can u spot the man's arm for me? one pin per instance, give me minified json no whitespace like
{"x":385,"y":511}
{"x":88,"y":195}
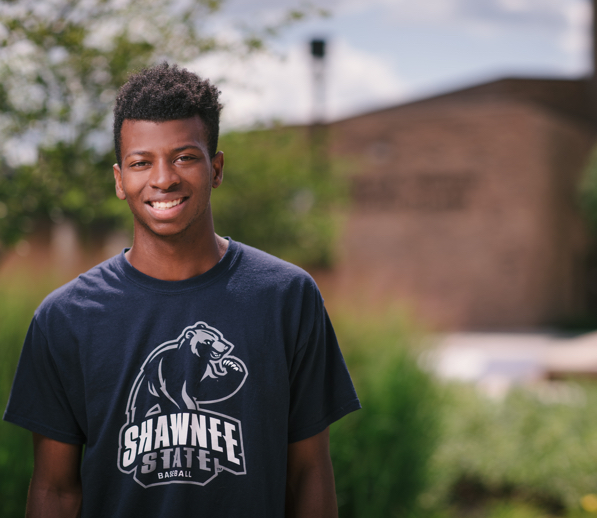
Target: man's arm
{"x":55,"y":490}
{"x":310,"y":489}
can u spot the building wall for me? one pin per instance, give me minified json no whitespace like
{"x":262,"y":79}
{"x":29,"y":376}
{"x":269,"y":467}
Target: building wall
{"x":59,"y":250}
{"x":465,"y":212}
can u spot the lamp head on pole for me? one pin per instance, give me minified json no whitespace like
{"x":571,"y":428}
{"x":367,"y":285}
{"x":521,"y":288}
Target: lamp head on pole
{"x":318,"y":48}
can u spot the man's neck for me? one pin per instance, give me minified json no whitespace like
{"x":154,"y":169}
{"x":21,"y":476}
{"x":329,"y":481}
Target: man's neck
{"x":177,"y":259}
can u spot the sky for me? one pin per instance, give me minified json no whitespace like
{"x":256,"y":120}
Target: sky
{"x":386,"y":52}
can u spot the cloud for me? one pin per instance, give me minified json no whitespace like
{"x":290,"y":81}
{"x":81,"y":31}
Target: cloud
{"x":566,"y":23}
{"x":360,"y":80}
{"x":560,"y":16}
{"x":576,"y":38}
{"x":537,"y":13}
{"x":545,"y":15}
{"x":268,"y":87}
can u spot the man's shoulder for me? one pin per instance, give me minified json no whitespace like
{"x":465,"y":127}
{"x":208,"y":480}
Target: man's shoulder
{"x":263,"y":267}
{"x":83,"y":289}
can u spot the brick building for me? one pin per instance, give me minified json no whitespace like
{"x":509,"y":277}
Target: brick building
{"x":464,"y":205}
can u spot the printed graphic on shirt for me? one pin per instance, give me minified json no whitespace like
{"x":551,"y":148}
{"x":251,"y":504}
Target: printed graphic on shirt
{"x":169,"y":436}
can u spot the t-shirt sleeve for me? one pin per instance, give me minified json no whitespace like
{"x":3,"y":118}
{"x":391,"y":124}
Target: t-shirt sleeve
{"x":38,"y":399}
{"x":321,"y":390}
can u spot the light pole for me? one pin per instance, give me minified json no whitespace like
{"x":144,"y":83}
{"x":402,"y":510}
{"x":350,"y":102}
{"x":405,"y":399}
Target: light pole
{"x":319,"y":137}
{"x":318,"y":63}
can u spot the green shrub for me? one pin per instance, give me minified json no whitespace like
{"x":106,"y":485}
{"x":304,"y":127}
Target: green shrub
{"x":514,"y":510}
{"x":381,"y":453}
{"x":18,"y":301}
{"x":537,"y":445}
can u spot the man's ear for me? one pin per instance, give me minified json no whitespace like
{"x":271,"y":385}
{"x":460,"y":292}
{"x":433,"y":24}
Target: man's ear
{"x":217,"y":169}
{"x":118,"y":182}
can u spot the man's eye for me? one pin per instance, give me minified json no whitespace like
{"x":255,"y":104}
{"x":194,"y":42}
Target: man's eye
{"x":185,"y":158}
{"x":138,"y":164}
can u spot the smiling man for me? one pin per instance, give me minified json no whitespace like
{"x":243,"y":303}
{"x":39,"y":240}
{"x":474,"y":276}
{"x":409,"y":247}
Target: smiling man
{"x":200,"y":374}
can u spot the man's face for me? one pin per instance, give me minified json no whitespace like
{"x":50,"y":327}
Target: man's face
{"x":166,"y":176}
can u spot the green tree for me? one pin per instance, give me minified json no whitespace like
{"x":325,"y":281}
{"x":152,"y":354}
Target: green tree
{"x":274,"y":199}
{"x":588,"y":192}
{"x":61,"y":64}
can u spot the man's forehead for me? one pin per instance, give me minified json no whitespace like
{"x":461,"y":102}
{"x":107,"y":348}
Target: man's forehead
{"x":139,"y":134}
{"x":194,"y":121}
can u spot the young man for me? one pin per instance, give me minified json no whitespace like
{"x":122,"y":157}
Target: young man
{"x":200,"y":374}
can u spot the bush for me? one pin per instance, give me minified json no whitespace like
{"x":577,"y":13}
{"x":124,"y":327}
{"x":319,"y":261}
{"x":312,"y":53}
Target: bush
{"x":18,"y":301}
{"x":537,"y":445}
{"x":381,"y":453}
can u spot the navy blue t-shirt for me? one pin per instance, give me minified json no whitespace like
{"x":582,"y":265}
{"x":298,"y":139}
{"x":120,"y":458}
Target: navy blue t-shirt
{"x":185,"y":393}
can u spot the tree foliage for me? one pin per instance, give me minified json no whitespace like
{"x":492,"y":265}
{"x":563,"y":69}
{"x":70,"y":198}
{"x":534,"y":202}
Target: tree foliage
{"x":273,"y":197}
{"x":61,"y":63}
{"x":588,"y":192}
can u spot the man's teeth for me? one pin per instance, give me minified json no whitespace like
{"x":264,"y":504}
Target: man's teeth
{"x":163,"y":205}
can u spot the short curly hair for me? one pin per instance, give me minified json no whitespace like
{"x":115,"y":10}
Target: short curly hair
{"x":164,"y":93}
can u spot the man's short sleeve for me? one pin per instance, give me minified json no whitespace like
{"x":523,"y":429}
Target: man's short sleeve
{"x":38,"y":400}
{"x":321,"y":390}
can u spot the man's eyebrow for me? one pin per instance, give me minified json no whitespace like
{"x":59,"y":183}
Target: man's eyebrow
{"x":142,"y":153}
{"x":187,"y":146}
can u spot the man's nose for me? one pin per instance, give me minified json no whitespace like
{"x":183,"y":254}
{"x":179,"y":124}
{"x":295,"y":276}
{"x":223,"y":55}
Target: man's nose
{"x":164,"y":175}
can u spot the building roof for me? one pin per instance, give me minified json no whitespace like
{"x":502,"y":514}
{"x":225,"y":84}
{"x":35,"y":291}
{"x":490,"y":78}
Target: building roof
{"x":571,"y":97}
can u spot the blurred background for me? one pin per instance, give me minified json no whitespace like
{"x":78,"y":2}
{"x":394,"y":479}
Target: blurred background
{"x":432,"y":164}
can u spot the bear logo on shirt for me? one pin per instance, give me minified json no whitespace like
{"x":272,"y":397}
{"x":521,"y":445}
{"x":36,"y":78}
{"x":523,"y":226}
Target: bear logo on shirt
{"x":195,"y":369}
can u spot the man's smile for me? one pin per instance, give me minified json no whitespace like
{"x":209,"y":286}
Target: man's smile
{"x":164,"y":205}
